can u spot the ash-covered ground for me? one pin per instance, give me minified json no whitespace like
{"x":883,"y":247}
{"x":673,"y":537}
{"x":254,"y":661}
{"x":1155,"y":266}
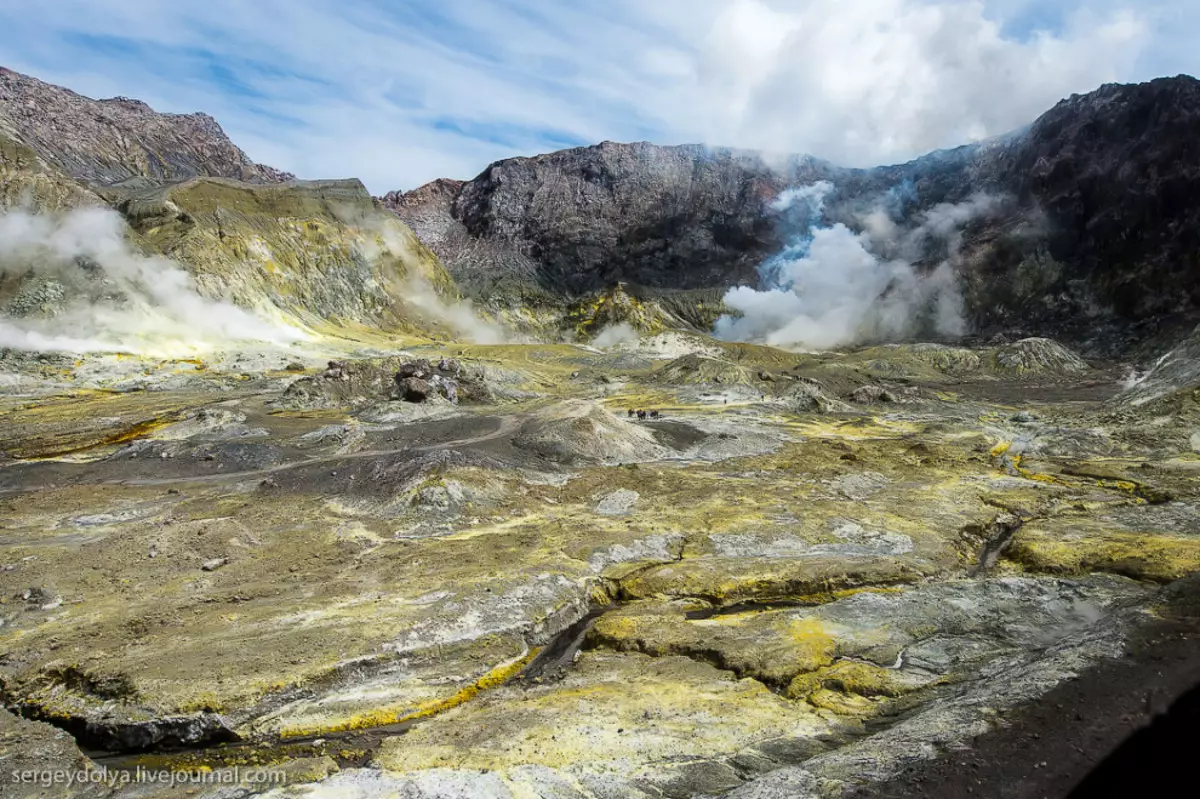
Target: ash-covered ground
{"x":478,"y":571}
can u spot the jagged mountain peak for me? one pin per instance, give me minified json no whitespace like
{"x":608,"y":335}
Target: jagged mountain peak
{"x":102,"y":142}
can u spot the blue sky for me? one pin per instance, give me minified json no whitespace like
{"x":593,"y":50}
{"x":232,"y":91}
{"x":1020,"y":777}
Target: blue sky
{"x":398,"y":93}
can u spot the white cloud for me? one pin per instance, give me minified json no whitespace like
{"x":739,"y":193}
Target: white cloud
{"x":878,"y":80}
{"x":399,"y":93}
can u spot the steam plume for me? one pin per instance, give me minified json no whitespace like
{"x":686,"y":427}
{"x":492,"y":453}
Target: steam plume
{"x":79,"y":287}
{"x":458,"y":315}
{"x":611,"y":336}
{"x":832,"y":286}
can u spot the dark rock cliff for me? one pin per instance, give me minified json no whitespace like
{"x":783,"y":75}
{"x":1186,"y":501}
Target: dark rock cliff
{"x":1101,"y":231}
{"x":686,"y":217}
{"x":1117,"y":173}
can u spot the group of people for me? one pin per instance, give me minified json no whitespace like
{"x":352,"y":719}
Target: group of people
{"x":643,"y":414}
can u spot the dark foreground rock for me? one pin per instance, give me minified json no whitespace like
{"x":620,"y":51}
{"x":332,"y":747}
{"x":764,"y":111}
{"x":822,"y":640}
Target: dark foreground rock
{"x":1120,"y":728}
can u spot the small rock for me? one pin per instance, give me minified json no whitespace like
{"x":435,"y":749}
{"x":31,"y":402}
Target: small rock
{"x":337,"y":370}
{"x":1024,"y":417}
{"x":294,"y":366}
{"x":214,"y":564}
{"x":1195,"y":441}
{"x":872,"y":395}
{"x":617,"y":503}
{"x":418,"y":369}
{"x":40,"y":597}
{"x":446,"y":387}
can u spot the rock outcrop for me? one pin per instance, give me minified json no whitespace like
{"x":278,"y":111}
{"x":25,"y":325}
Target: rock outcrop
{"x":577,"y":220}
{"x":317,"y":251}
{"x":28,"y":181}
{"x":581,"y":432}
{"x":1175,"y":374}
{"x":109,"y":141}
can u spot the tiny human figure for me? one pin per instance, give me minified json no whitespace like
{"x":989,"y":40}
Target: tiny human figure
{"x":653,"y":414}
{"x":632,"y":413}
{"x":641,"y":414}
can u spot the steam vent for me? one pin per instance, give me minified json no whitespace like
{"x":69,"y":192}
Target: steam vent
{"x":619,"y":472}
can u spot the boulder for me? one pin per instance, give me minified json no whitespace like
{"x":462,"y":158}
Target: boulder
{"x":418,"y":369}
{"x":336,"y":370}
{"x":413,"y":389}
{"x":809,"y":396}
{"x":418,"y":381}
{"x":445,"y":387}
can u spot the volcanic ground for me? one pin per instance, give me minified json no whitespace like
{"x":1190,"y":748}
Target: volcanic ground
{"x":797,"y":575}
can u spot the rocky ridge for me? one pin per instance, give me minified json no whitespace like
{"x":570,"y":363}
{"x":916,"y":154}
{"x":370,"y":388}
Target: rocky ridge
{"x":109,"y":141}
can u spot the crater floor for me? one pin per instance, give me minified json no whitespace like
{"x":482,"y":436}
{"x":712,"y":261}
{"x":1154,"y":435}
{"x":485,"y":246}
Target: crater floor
{"x":798,"y":575}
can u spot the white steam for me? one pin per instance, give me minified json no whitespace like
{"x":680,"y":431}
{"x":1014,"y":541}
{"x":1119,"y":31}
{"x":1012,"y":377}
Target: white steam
{"x":78,"y":286}
{"x":458,"y":315}
{"x":832,"y":286}
{"x":611,"y":336}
